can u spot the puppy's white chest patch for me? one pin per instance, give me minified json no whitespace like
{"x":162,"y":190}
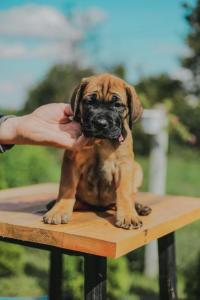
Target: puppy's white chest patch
{"x":103,"y":171}
{"x":110,"y":171}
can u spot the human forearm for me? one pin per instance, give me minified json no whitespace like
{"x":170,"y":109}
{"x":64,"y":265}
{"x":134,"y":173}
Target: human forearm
{"x":21,"y":130}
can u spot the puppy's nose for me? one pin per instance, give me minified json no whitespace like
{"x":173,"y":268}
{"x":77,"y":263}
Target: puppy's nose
{"x":101,"y":124}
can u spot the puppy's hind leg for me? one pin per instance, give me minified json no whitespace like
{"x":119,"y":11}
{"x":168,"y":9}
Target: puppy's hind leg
{"x":141,"y":209}
{"x":51,"y":204}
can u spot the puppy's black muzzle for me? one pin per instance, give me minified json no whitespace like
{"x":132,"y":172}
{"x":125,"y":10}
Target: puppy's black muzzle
{"x":102,"y":122}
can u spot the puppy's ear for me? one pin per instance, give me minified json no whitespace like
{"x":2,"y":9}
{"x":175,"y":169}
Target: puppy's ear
{"x":134,"y":105}
{"x":76,"y":98}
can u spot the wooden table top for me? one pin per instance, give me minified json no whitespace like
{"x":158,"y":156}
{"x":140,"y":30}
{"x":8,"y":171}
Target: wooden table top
{"x":21,"y":211}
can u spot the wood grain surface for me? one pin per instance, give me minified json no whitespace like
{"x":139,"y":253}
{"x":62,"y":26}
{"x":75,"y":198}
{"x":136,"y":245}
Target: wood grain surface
{"x":21,"y":211}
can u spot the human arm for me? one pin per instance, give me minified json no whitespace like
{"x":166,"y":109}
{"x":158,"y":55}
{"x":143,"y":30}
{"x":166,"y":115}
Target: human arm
{"x":48,"y":125}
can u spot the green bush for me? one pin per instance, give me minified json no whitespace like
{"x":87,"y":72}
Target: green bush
{"x":192,"y":276}
{"x":119,"y":279}
{"x":11,"y":259}
{"x":73,"y":274}
{"x":136,"y":260}
{"x":24,"y":165}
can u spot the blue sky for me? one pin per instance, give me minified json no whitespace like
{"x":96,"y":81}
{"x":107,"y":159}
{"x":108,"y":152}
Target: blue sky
{"x":146,"y":35}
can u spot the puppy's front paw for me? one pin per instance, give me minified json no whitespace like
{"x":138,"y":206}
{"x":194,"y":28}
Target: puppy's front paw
{"x":128,"y":221}
{"x":60,"y":213}
{"x":56,"y":217}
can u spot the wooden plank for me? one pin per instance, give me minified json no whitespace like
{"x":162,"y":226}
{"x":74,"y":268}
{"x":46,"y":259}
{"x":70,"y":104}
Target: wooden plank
{"x":36,"y":192}
{"x":21,"y":213}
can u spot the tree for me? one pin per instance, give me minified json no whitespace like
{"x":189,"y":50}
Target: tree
{"x":118,"y":70}
{"x":171,"y":93}
{"x":160,"y":87}
{"x":59,"y":83}
{"x":56,"y":86}
{"x":192,"y":61}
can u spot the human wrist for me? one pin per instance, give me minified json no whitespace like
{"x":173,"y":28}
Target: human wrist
{"x":8,"y":130}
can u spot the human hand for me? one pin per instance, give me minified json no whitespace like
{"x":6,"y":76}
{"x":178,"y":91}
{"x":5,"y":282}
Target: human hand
{"x":48,"y":125}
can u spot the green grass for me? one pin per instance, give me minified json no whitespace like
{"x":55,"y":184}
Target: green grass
{"x":183,"y":173}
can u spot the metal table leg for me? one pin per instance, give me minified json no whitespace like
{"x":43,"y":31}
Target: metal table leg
{"x":167,"y":267}
{"x":55,"y":275}
{"x":95,"y":269}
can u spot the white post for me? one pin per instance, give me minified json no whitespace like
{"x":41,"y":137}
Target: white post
{"x":154,"y":122}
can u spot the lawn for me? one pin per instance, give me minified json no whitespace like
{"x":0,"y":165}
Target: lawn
{"x":182,"y":178}
{"x":183,"y":172}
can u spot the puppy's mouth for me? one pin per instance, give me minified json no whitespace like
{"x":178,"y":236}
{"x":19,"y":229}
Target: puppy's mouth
{"x":112,"y":134}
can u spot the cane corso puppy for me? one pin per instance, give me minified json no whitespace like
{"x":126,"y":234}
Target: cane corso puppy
{"x":103,"y":173}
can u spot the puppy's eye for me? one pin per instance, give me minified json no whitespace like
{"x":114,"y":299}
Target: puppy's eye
{"x":93,"y":97}
{"x":118,"y":104}
{"x":115,"y":98}
{"x":90,"y":99}
{"x":120,"y":107}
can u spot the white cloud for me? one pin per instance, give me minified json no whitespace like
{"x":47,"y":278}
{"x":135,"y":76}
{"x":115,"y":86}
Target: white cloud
{"x":8,"y":51}
{"x":6,"y":86}
{"x":171,"y":48}
{"x":53,"y":35}
{"x":37,"y":21}
{"x":13,"y":91}
{"x":55,"y":51}
{"x":40,"y":32}
{"x":93,"y":16}
{"x":56,"y":37}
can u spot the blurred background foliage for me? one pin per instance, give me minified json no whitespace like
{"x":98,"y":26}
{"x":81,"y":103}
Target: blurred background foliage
{"x":24,"y":271}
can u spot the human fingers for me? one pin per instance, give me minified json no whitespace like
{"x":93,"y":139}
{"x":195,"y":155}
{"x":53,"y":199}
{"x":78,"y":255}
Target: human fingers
{"x":68,"y":110}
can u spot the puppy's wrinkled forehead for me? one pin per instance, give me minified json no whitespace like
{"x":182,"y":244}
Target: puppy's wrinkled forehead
{"x":105,"y":86}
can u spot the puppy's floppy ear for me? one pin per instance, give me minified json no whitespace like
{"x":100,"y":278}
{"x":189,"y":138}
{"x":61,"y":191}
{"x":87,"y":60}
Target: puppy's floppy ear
{"x":76,"y":97}
{"x":134,"y":105}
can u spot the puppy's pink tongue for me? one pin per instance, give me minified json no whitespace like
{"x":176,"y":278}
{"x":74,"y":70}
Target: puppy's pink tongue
{"x":121,"y":138}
